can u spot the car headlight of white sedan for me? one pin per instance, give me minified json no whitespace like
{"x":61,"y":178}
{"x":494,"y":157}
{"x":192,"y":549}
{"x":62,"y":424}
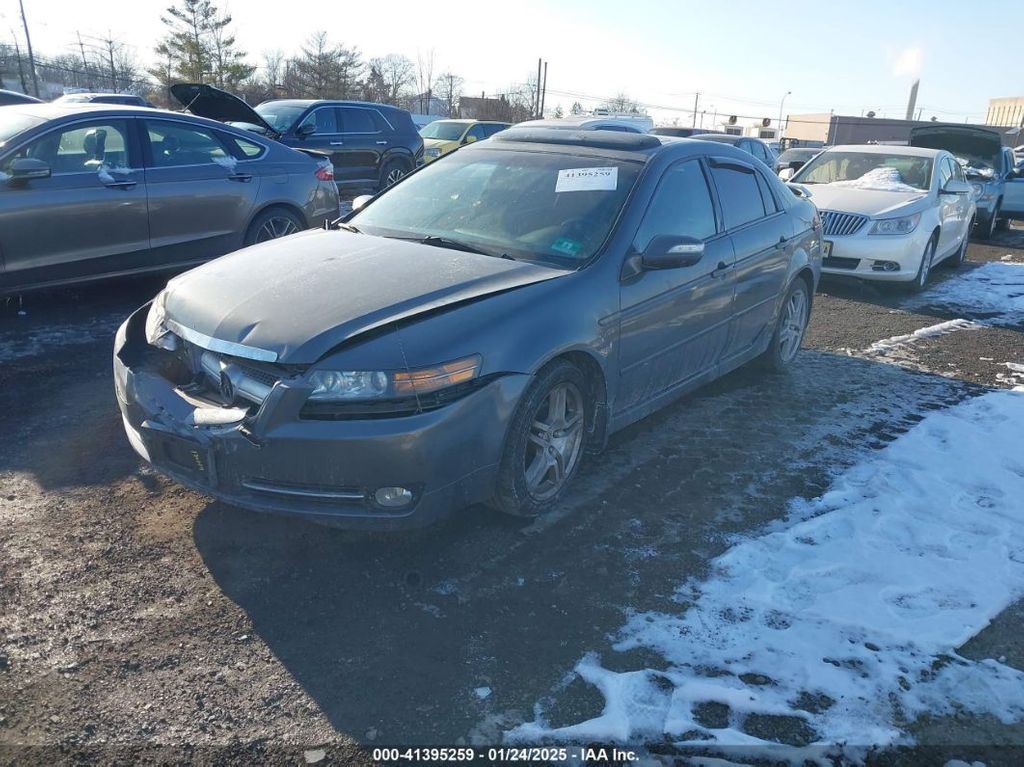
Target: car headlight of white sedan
{"x":432,"y":151}
{"x":900,"y":225}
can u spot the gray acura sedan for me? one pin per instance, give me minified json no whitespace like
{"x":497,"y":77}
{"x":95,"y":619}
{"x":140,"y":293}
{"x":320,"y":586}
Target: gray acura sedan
{"x":468,"y":335}
{"x":89,"y":191}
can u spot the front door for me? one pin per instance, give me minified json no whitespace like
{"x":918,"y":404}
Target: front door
{"x":88,"y":218}
{"x":675,"y":322}
{"x":200,"y":197}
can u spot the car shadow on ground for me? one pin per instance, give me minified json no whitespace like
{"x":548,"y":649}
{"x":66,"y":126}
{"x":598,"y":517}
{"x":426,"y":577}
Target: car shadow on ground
{"x":427,"y":636}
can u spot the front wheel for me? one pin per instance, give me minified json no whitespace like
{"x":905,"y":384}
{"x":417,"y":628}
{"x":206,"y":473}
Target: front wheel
{"x":789,"y":327}
{"x":958,"y":258}
{"x":986,"y":228}
{"x":924,"y":271}
{"x":545,"y":442}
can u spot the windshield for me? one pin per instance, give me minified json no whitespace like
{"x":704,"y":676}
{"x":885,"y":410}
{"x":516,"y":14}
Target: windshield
{"x":797,"y":155}
{"x":281,"y":117}
{"x":443,"y":130}
{"x":12,"y":123}
{"x":868,"y":170}
{"x":547,"y":207}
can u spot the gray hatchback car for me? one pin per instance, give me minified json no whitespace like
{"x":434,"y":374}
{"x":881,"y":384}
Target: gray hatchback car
{"x":90,"y":191}
{"x":469,"y":334}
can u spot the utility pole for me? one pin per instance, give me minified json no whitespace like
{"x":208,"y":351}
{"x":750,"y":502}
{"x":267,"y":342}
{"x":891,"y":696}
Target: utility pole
{"x":110,"y":56}
{"x":696,"y":100}
{"x":85,"y":64}
{"x":536,"y":100}
{"x":21,"y":64}
{"x":28,"y":42}
{"x":544,"y":90}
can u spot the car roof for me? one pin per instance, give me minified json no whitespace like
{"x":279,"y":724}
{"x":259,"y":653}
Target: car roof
{"x":580,"y":122}
{"x":909,"y":151}
{"x":723,"y":138}
{"x":323,"y":102}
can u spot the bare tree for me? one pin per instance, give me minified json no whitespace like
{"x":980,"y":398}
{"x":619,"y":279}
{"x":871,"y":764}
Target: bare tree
{"x":390,"y":78}
{"x":425,"y":74}
{"x":576,"y":108}
{"x":623,"y":104}
{"x":449,"y":88}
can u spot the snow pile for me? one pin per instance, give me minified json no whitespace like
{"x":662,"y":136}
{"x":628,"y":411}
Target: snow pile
{"x":994,"y":291}
{"x":974,"y":170}
{"x":105,"y":173}
{"x":941,"y":329}
{"x":879,"y":179}
{"x":847,"y":622}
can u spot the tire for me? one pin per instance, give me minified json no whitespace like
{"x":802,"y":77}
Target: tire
{"x":924,"y":271}
{"x":544,"y":448}
{"x":957,"y":259}
{"x":392,"y":173}
{"x":790,"y":326}
{"x":271,"y":224}
{"x":986,"y":228}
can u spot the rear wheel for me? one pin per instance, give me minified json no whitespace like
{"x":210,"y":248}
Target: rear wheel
{"x":545,"y":442}
{"x":271,"y":224}
{"x":789,"y":327}
{"x":392,"y":172}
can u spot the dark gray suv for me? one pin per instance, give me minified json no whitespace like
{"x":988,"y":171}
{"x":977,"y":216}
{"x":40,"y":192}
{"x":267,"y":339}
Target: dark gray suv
{"x":371,"y":145}
{"x":469,"y":334}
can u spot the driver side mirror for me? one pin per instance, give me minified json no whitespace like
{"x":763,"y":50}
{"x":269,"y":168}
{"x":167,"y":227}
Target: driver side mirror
{"x":956,"y":186}
{"x":469,"y":139}
{"x":25,"y":168}
{"x":672,"y":251}
{"x":305,"y":130}
{"x":787,"y":173}
{"x":361,"y":200}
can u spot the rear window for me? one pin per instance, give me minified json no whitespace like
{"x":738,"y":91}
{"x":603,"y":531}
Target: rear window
{"x":740,"y":195}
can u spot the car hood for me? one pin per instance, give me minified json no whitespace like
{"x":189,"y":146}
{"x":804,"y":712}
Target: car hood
{"x":443,"y":144}
{"x":297,"y":298}
{"x":961,"y":140}
{"x":868,"y":202}
{"x":207,"y":101}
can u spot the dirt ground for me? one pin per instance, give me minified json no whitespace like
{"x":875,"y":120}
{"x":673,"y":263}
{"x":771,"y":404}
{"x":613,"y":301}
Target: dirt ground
{"x":142,"y":620}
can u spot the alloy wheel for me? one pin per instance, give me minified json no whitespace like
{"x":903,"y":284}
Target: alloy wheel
{"x":926,"y":264}
{"x":394,"y":176}
{"x":794,"y":323}
{"x":274,"y":227}
{"x":555,"y":441}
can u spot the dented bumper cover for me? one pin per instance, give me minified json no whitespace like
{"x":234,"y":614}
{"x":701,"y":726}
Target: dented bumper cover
{"x":270,"y":459}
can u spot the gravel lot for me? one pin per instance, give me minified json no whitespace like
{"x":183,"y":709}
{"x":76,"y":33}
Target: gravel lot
{"x":136,"y":615}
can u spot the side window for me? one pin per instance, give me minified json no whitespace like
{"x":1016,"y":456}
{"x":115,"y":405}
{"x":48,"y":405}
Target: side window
{"x":177,"y":144}
{"x":323,"y":119}
{"x":249,"y":149}
{"x":740,"y":195}
{"x":380,"y":123}
{"x":945,"y":172}
{"x":766,"y":195}
{"x":80,"y":148}
{"x":354,"y":120}
{"x":478,"y":132}
{"x":681,"y":205}
{"x":958,"y":172}
{"x":490,"y":130}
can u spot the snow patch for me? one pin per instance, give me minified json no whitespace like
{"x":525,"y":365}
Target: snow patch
{"x":106,"y":173}
{"x":483,"y":692}
{"x":994,"y":290}
{"x":883,"y":179}
{"x":229,"y":163}
{"x":941,"y":329}
{"x":848,"y":621}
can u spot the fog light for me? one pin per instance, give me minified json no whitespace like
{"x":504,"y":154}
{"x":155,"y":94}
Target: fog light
{"x":885,"y":266}
{"x":393,"y":497}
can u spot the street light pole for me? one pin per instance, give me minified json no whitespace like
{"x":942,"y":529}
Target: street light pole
{"x":778,"y":129}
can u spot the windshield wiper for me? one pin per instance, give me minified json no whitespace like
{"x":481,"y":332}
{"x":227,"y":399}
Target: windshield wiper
{"x":348,"y":228}
{"x":447,"y":242}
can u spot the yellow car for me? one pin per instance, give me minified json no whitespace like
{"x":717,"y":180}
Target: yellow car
{"x":442,"y":136}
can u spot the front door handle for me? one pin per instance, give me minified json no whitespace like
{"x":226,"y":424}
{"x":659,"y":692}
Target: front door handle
{"x":781,"y":244}
{"x":243,"y":177}
{"x":119,"y":184}
{"x":720,"y":270}
{"x":382,"y":143}
{"x":337,"y":143}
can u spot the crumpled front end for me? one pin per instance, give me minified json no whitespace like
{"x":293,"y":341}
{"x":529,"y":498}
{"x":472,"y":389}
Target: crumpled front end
{"x":235,"y":428}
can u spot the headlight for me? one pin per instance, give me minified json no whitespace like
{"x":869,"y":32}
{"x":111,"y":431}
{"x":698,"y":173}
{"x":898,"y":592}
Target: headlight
{"x":432,"y":152}
{"x":157,"y":333}
{"x":979,"y":190}
{"x":353,"y":385}
{"x":902,"y":225}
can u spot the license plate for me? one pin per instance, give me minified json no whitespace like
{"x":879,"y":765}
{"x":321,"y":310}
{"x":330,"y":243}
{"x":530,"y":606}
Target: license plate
{"x":826,"y":248}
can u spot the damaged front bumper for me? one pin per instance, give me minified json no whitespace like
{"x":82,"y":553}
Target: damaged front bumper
{"x":268,"y":458}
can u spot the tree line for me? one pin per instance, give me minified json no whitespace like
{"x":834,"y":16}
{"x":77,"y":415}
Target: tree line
{"x":199,"y":46}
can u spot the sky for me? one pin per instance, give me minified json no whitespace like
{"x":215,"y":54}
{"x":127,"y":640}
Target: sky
{"x":742,"y":57}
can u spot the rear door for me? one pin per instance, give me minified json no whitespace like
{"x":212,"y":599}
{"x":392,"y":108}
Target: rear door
{"x":675,"y":322}
{"x":762,"y":237}
{"x":88,"y":218}
{"x":366,"y":138}
{"x":200,"y":197}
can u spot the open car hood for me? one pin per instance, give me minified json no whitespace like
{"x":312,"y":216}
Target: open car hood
{"x":960,"y":140}
{"x":295,"y":299}
{"x":206,"y":101}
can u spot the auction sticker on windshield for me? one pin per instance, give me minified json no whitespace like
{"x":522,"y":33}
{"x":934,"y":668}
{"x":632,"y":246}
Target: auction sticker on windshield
{"x":587,"y":179}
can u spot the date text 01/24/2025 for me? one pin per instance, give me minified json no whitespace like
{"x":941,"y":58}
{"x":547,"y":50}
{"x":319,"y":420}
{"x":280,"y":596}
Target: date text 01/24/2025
{"x":499,"y":754}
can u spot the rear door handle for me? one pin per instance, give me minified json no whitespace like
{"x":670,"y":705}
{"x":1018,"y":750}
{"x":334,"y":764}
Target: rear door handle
{"x":721,"y":269}
{"x":119,"y":184}
{"x":243,"y":177}
{"x":781,"y":244}
{"x":337,"y":143}
{"x":382,"y":143}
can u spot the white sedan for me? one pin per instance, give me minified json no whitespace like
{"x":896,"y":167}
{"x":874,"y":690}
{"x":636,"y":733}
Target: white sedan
{"x":889,"y":213}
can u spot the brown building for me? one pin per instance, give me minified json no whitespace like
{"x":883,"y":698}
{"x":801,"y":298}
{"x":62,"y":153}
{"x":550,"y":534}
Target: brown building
{"x":833,"y":129}
{"x":483,"y":108}
{"x":1007,"y":111}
